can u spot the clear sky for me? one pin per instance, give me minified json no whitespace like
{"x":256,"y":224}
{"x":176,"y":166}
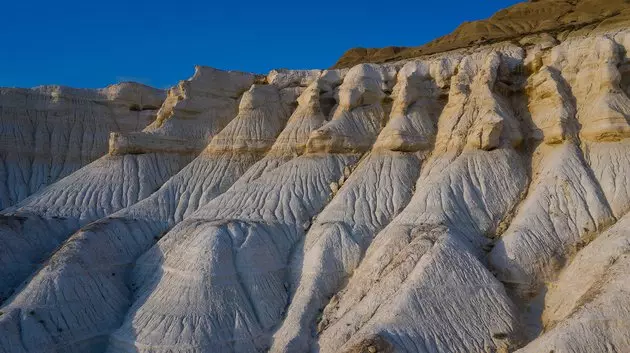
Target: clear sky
{"x":92,"y":43}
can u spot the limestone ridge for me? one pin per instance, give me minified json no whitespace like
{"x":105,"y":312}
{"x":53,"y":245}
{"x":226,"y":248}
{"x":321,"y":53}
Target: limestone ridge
{"x":473,"y":200}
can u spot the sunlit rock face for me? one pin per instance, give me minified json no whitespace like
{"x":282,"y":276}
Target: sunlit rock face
{"x":473,"y":200}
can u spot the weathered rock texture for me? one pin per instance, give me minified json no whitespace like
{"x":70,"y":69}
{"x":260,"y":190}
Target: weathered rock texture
{"x":49,"y":132}
{"x":474,"y":200}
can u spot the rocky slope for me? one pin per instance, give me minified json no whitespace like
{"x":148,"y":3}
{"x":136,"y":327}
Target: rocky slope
{"x":48,"y":132}
{"x":473,"y":200}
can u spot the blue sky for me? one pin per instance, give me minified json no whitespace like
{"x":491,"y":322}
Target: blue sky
{"x":95,"y":43}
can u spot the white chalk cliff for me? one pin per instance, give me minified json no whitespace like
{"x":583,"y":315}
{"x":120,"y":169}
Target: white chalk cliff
{"x":472,"y":200}
{"x":48,"y":132}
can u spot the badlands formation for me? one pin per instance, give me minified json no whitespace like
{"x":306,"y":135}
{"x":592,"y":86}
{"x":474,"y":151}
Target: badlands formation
{"x":471,"y":200}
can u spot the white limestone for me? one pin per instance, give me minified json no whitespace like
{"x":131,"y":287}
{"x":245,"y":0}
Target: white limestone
{"x":112,"y":182}
{"x":260,"y":221}
{"x":336,"y":242}
{"x":48,"y":132}
{"x":410,"y":288}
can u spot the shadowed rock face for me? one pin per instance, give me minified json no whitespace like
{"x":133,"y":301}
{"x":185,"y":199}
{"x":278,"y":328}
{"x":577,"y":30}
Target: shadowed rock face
{"x":470,"y":201}
{"x":49,"y":132}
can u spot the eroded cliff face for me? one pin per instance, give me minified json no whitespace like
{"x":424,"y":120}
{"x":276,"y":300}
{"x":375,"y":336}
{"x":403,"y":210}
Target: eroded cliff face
{"x":49,"y":132}
{"x":473,"y":200}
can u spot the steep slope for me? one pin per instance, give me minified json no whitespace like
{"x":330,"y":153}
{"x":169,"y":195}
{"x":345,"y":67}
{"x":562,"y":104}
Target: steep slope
{"x":335,"y":243}
{"x":249,"y":231}
{"x":32,"y":228}
{"x":48,"y":132}
{"x":422,"y":277}
{"x":587,"y":307}
{"x":567,"y":205}
{"x":107,"y":248}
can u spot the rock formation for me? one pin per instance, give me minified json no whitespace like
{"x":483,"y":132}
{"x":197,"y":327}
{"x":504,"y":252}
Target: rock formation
{"x":49,"y":132}
{"x":471,"y":200}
